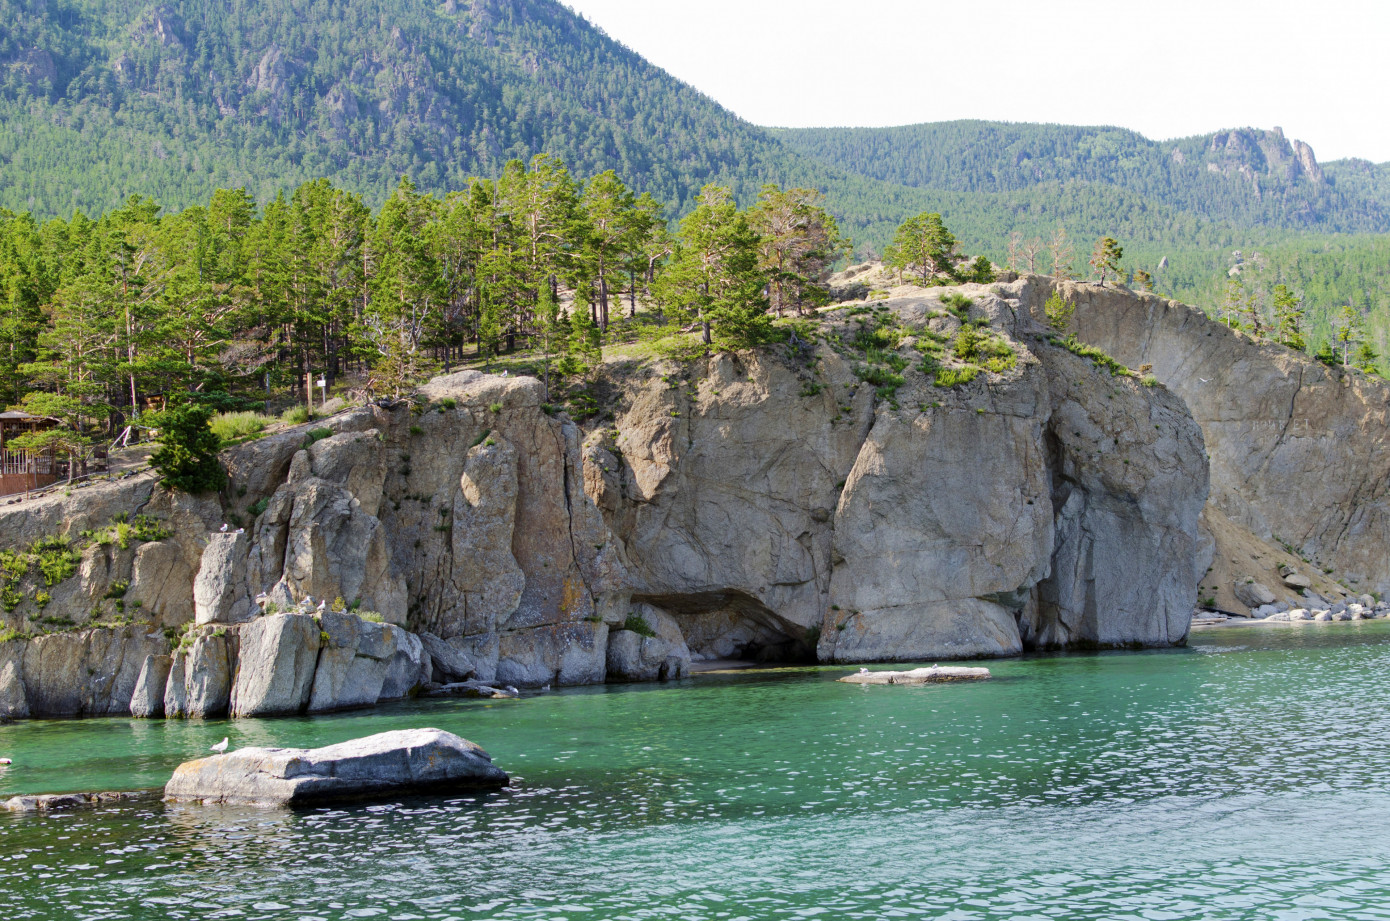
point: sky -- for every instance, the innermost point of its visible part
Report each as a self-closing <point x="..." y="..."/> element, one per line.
<point x="1165" y="68"/>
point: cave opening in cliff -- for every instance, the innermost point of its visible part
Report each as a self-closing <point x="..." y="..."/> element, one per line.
<point x="733" y="625"/>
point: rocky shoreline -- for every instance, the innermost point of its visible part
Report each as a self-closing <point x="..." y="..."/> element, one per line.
<point x="780" y="505"/>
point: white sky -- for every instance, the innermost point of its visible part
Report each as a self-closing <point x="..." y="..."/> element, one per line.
<point x="1166" y="68"/>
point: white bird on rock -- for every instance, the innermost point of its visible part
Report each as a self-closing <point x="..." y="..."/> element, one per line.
<point x="323" y="605"/>
<point x="224" y="527"/>
<point x="863" y="671"/>
<point x="220" y="746"/>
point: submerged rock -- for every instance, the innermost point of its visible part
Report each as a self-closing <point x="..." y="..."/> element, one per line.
<point x="410" y="760"/>
<point x="48" y="802"/>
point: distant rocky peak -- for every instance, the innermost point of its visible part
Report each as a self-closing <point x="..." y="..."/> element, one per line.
<point x="35" y="66"/>
<point x="164" y="25"/>
<point x="1253" y="153"/>
<point x="268" y="76"/>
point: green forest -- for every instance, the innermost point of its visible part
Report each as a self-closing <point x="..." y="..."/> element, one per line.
<point x="1245" y="177"/>
<point x="262" y="115"/>
<point x="229" y="306"/>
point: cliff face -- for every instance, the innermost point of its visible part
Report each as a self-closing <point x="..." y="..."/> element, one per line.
<point x="778" y="506"/>
<point x="1297" y="448"/>
<point x="764" y="505"/>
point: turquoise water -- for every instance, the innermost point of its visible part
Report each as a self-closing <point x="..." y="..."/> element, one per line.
<point x="1245" y="777"/>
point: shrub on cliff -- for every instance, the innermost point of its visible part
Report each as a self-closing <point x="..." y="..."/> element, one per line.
<point x="187" y="456"/>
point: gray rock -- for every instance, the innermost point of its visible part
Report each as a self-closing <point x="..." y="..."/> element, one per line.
<point x="480" y="652"/>
<point x="931" y="675"/>
<point x="14" y="702"/>
<point x="1128" y="483"/>
<point x="389" y="763"/>
<point x="1272" y="447"/>
<point x="49" y="802"/>
<point x="220" y="594"/>
<point x="352" y="666"/>
<point x="276" y="663"/>
<point x="448" y="662"/>
<point x="560" y="654"/>
<point x="87" y="672"/>
<point x="159" y="578"/>
<point x="486" y="575"/>
<point x="200" y="676"/>
<point x="471" y="689"/>
<point x="1297" y="580"/>
<point x="1253" y="594"/>
<point x="661" y="657"/>
<point x="409" y="667"/>
<point x="147" y="700"/>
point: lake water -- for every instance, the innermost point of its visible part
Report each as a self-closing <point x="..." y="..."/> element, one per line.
<point x="1247" y="777"/>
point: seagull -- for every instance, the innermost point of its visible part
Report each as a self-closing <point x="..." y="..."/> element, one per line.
<point x="322" y="606"/>
<point x="224" y="527"/>
<point x="6" y="761"/>
<point x="863" y="671"/>
<point x="239" y="531"/>
<point x="220" y="746"/>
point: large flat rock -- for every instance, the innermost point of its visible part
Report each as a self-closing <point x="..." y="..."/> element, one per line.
<point x="409" y="760"/>
<point x="930" y="675"/>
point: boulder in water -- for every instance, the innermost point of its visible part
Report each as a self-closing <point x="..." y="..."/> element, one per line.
<point x="409" y="760"/>
<point x="919" y="675"/>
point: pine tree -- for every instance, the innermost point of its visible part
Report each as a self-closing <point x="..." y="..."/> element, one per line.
<point x="798" y="241"/>
<point x="187" y="456"/>
<point x="924" y="246"/>
<point x="1105" y="259"/>
<point x="407" y="291"/>
<point x="612" y="222"/>
<point x="1288" y="317"/>
<point x="714" y="278"/>
<point x="1349" y="331"/>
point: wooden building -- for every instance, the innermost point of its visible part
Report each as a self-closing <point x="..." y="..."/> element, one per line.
<point x="20" y="471"/>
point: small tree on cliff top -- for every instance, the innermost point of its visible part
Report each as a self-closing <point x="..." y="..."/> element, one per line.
<point x="1105" y="260"/>
<point x="187" y="455"/>
<point x="925" y="248"/>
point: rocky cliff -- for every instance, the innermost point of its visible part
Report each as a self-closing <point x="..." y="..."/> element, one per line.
<point x="1298" y="468"/>
<point x="921" y="480"/>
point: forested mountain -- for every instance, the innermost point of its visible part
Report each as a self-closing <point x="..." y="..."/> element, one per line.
<point x="1247" y="177"/>
<point x="104" y="98"/>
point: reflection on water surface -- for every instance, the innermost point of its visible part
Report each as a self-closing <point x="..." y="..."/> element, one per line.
<point x="1245" y="777"/>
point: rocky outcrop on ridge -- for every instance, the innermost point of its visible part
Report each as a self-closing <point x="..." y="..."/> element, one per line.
<point x="1299" y="473"/>
<point x="783" y="504"/>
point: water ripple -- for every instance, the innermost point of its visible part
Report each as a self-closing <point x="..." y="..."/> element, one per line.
<point x="1248" y="784"/>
